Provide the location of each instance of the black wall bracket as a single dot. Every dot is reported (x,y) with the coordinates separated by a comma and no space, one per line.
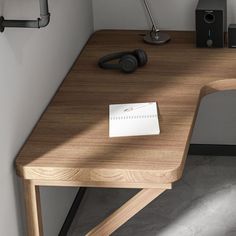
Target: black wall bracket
(39,23)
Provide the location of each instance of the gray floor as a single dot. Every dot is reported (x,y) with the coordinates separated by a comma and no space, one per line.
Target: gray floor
(202,203)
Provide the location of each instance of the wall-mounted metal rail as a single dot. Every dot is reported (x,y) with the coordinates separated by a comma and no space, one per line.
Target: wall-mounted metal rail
(39,23)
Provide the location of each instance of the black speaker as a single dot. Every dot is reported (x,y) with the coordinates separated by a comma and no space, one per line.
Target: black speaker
(232,36)
(211,23)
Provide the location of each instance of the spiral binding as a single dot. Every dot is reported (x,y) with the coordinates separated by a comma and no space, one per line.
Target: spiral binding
(133,117)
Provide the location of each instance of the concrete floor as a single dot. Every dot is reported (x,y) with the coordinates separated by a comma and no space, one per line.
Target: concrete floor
(202,203)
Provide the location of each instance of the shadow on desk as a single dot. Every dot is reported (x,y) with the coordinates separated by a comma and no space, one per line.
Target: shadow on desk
(75,125)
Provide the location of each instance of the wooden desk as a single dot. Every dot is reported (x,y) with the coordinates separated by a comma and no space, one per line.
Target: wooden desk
(70,144)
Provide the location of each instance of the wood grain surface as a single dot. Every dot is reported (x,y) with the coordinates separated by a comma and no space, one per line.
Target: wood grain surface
(70,142)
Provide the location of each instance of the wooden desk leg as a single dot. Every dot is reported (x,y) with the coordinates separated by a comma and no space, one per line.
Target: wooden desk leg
(33,209)
(125,212)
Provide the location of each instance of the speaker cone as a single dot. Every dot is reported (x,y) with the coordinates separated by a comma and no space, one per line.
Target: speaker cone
(209,18)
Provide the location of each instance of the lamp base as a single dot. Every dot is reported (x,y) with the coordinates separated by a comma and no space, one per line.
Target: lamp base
(156,38)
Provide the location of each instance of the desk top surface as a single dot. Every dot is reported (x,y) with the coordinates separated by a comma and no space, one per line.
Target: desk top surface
(71,143)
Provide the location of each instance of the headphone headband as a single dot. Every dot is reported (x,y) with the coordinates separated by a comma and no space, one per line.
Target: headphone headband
(111,57)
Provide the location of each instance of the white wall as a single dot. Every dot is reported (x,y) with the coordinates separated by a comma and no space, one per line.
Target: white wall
(130,14)
(216,119)
(33,63)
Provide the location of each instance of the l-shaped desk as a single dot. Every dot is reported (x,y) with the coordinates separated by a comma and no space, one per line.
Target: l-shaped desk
(70,145)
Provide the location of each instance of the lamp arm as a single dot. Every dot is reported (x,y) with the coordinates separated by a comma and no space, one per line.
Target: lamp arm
(154,25)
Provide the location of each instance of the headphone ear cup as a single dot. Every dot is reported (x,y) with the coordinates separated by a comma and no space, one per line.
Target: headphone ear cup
(128,63)
(141,57)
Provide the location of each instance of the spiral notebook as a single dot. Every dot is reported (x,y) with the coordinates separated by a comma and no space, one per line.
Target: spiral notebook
(133,119)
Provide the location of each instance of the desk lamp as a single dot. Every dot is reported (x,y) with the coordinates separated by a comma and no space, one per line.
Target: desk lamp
(154,36)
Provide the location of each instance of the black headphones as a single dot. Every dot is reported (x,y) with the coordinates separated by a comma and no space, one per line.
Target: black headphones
(128,63)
